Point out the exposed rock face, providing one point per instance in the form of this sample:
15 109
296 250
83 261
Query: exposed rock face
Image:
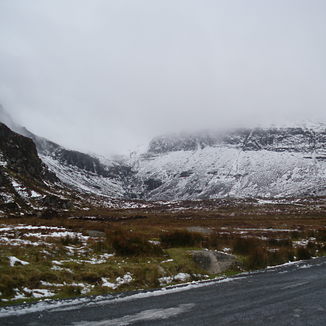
21 156
295 139
46 147
26 184
54 202
78 170
67 157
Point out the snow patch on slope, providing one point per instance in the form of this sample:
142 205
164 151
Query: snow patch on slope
215 172
84 180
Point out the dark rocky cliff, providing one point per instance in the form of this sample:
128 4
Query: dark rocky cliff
272 139
20 154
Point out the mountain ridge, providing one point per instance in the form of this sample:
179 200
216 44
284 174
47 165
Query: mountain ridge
247 162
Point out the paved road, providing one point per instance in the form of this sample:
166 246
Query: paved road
288 295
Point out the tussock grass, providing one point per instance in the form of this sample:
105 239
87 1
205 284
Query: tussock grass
182 261
257 258
280 242
125 244
303 253
181 238
246 246
68 240
129 239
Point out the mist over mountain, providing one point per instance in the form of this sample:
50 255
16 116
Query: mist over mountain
247 162
104 77
224 83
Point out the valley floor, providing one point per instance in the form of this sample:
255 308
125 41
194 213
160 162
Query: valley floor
97 252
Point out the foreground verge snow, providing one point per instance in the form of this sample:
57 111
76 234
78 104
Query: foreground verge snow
66 305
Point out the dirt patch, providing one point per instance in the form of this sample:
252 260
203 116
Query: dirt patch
214 262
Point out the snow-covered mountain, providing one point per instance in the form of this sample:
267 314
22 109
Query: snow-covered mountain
262 162
26 184
259 162
78 170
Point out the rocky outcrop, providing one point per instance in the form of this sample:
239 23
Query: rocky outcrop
67 157
290 139
20 156
79 170
27 187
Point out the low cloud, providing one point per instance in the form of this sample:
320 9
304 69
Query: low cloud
107 76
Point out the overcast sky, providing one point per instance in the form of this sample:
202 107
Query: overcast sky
105 76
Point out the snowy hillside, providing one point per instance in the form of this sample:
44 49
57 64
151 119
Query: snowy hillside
84 180
26 184
217 172
242 163
260 162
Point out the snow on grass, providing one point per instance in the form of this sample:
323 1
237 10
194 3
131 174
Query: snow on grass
156 243
180 277
14 260
43 283
303 242
20 242
61 269
85 288
94 261
165 280
8 234
107 283
75 304
27 293
265 229
167 261
23 191
29 227
39 293
126 279
19 295
59 234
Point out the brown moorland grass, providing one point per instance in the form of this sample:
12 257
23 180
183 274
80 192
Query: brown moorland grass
259 239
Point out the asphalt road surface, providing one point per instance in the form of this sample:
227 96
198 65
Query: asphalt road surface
287 295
